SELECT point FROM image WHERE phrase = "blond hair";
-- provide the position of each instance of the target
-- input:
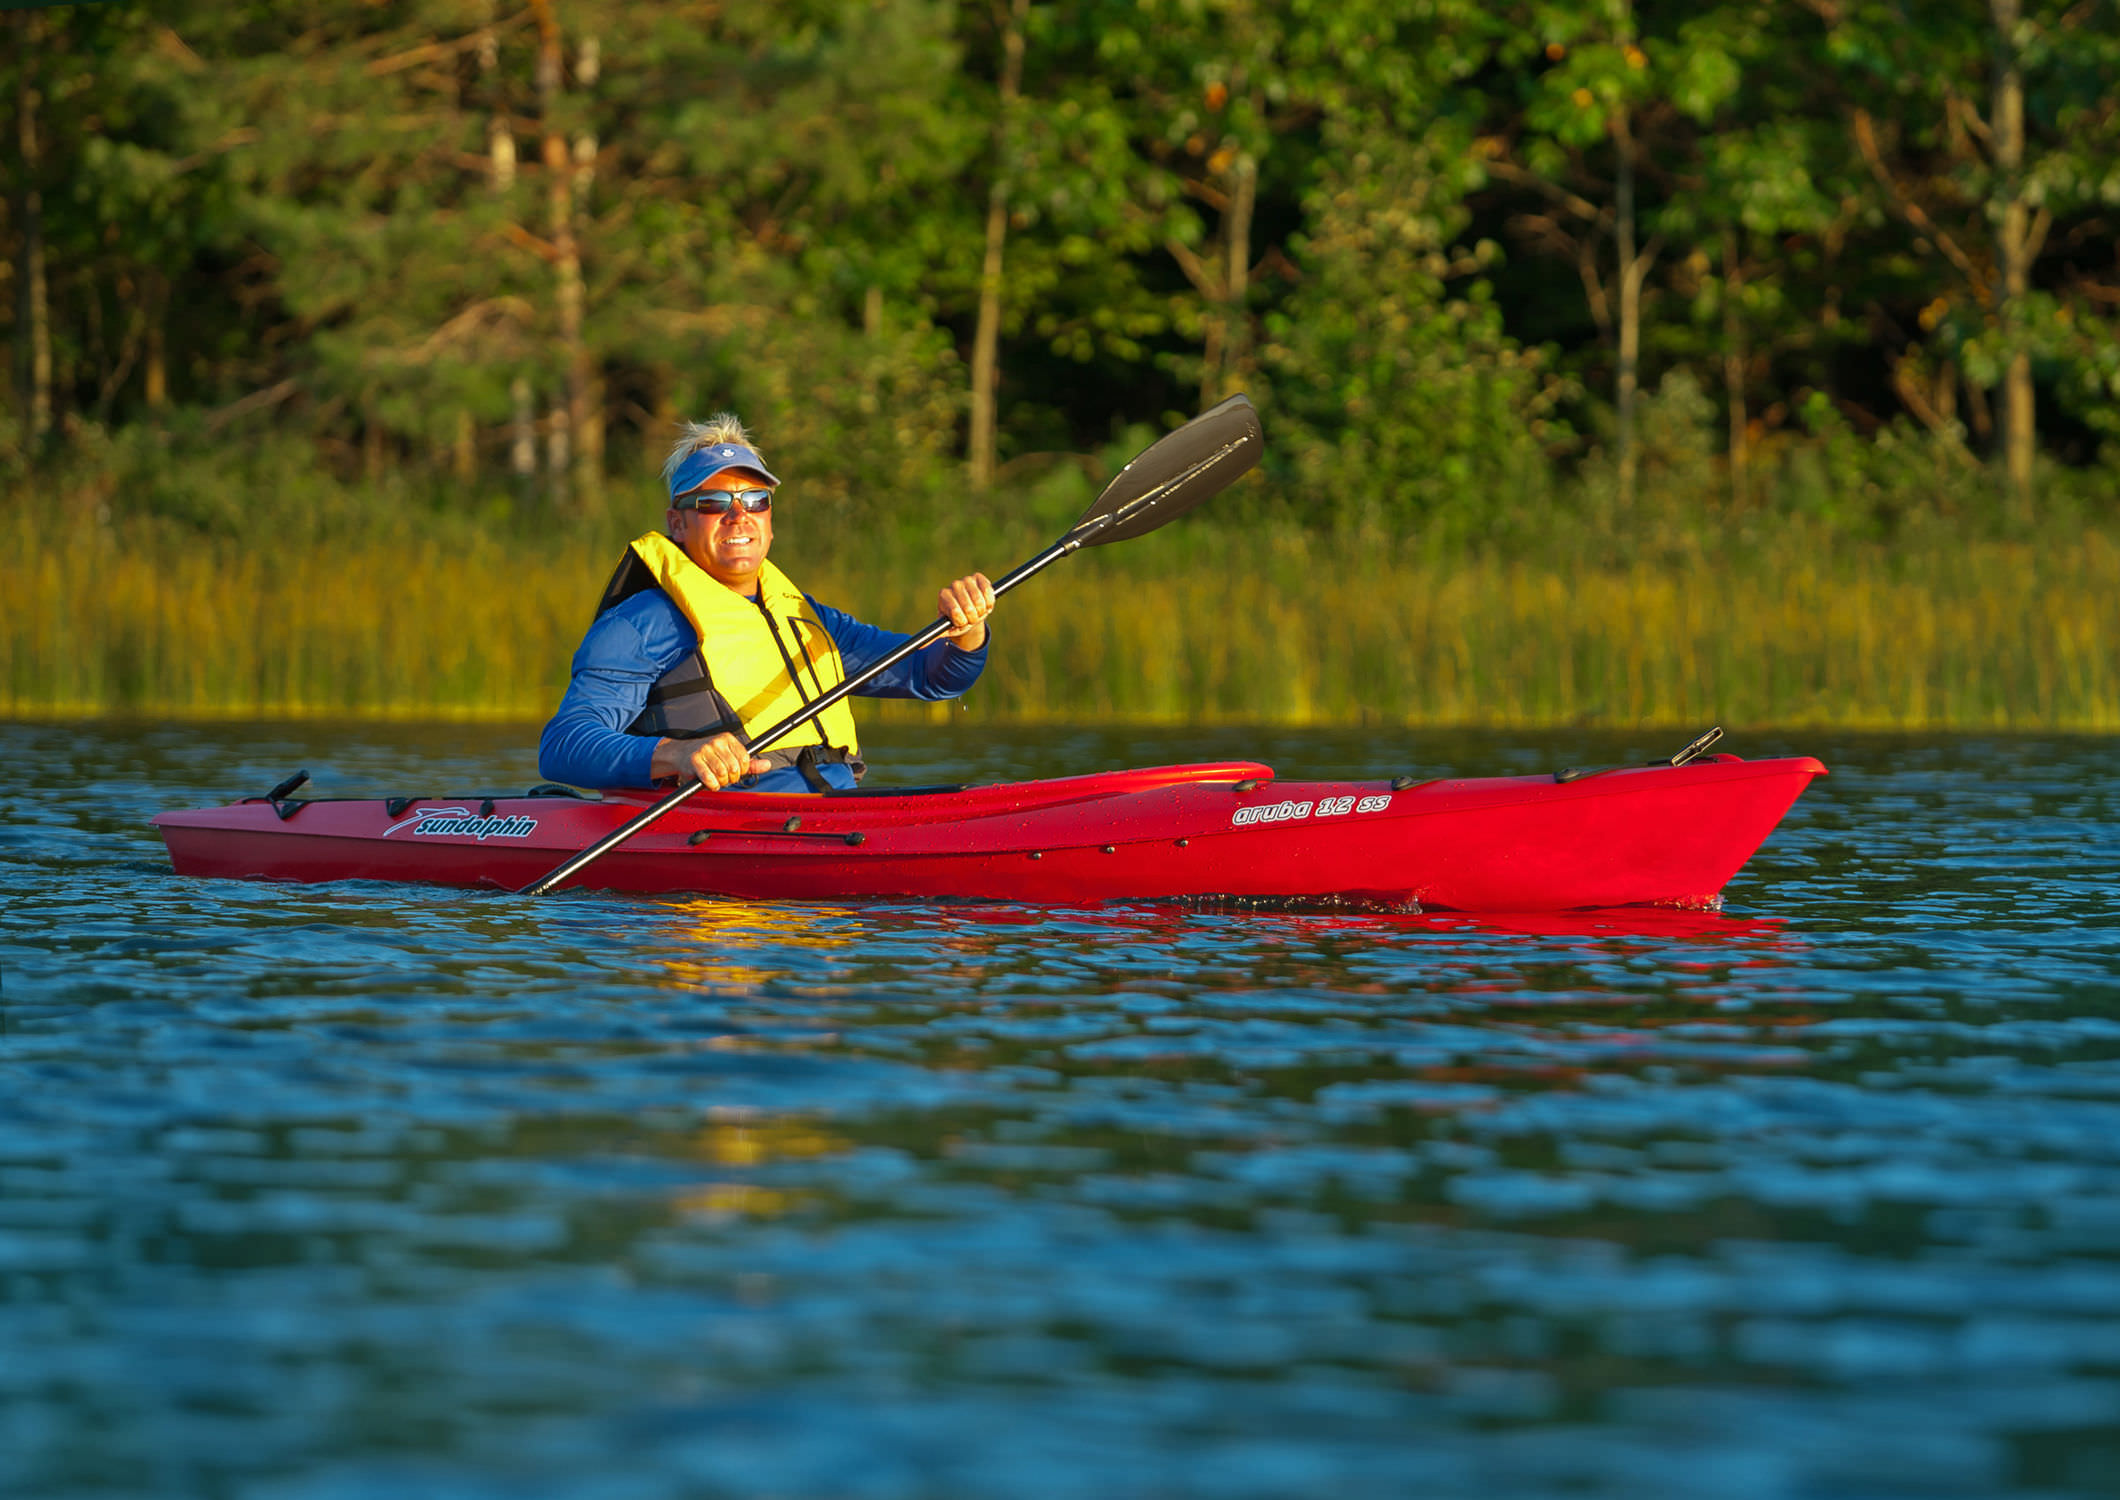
(722, 427)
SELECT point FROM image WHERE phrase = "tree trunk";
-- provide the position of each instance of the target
(585, 386)
(522, 446)
(372, 455)
(118, 368)
(1211, 356)
(155, 378)
(986, 342)
(559, 453)
(1236, 260)
(33, 332)
(500, 176)
(1734, 369)
(986, 337)
(568, 415)
(500, 139)
(2014, 236)
(1945, 402)
(1630, 307)
(464, 451)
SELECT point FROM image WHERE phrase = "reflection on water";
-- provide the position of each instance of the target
(705, 943)
(334, 1191)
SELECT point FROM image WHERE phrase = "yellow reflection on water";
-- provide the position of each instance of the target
(754, 1142)
(709, 943)
(745, 1140)
(721, 944)
(734, 1200)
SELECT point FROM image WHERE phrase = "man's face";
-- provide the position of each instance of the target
(731, 546)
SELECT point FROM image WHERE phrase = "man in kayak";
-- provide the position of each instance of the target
(699, 645)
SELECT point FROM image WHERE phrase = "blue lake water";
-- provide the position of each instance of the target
(340, 1191)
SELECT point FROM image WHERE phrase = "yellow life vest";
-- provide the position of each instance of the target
(760, 659)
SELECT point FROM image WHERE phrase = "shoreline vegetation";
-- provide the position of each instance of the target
(1620, 365)
(331, 600)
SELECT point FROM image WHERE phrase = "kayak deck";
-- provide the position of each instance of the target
(1658, 834)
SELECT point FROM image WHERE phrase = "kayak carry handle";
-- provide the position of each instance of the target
(1694, 748)
(278, 797)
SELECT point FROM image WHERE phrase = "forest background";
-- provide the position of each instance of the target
(1621, 362)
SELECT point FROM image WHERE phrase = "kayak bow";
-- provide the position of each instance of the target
(1663, 834)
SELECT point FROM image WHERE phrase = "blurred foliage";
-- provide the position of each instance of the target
(405, 230)
(1399, 397)
(420, 276)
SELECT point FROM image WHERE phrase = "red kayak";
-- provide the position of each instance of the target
(1663, 834)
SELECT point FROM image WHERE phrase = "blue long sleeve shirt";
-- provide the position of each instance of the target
(635, 642)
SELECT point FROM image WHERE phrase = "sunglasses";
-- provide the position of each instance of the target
(718, 502)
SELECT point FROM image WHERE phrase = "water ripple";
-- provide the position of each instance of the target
(338, 1191)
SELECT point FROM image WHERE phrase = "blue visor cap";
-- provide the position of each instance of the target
(702, 464)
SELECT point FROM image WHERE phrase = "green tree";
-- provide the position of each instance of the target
(1399, 394)
(1991, 134)
(1213, 102)
(1611, 104)
(1086, 218)
(1753, 208)
(519, 225)
(115, 188)
(986, 338)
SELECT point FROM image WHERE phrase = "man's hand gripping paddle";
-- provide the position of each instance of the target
(1168, 479)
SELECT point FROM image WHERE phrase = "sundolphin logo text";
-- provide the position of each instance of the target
(462, 822)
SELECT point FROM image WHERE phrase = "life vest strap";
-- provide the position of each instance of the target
(691, 687)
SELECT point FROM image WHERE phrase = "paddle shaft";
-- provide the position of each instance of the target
(796, 720)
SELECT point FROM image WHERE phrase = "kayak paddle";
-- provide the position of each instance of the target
(1167, 479)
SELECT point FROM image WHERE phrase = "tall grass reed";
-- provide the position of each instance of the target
(1202, 623)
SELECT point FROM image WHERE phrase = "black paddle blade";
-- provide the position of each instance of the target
(1174, 474)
